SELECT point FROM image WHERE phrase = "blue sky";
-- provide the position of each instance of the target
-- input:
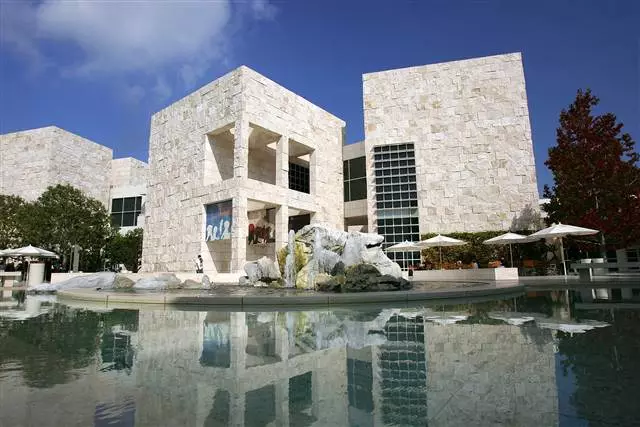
(100, 69)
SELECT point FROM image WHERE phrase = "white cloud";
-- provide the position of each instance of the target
(175, 38)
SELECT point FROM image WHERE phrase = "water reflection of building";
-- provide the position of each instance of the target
(390, 367)
(234, 369)
(274, 369)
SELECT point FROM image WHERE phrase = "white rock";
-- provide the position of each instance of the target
(160, 282)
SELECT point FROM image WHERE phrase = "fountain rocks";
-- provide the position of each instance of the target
(327, 259)
(261, 272)
(111, 281)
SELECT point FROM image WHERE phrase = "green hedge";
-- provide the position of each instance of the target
(483, 254)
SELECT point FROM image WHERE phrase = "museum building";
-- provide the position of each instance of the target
(241, 161)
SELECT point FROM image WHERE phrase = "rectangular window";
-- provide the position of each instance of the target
(125, 211)
(396, 196)
(355, 181)
(299, 178)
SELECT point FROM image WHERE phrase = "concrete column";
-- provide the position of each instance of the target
(76, 258)
(313, 172)
(282, 226)
(282, 162)
(241, 133)
(239, 232)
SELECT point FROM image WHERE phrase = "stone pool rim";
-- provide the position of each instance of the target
(480, 289)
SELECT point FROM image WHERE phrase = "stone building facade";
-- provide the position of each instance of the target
(32, 160)
(241, 148)
(467, 123)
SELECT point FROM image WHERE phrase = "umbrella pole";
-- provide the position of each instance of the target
(440, 250)
(564, 267)
(511, 254)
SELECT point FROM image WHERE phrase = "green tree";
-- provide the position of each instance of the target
(125, 249)
(12, 213)
(63, 217)
(596, 174)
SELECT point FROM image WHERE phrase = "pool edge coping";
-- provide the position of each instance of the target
(92, 295)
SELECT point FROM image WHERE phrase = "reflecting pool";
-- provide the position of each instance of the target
(545, 358)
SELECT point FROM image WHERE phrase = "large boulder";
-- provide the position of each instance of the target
(363, 278)
(122, 282)
(330, 238)
(103, 280)
(269, 270)
(264, 270)
(160, 282)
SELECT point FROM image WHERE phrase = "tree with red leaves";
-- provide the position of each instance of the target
(596, 174)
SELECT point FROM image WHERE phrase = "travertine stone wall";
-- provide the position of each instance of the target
(180, 153)
(32, 160)
(490, 375)
(128, 172)
(469, 121)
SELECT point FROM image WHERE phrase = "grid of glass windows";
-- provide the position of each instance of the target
(355, 179)
(125, 211)
(403, 372)
(298, 178)
(397, 199)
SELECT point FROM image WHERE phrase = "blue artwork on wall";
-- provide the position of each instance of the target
(218, 221)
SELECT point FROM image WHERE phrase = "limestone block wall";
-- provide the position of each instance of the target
(179, 148)
(469, 122)
(128, 172)
(279, 110)
(490, 374)
(174, 214)
(34, 159)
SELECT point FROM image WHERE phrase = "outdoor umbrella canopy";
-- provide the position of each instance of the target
(561, 230)
(403, 247)
(30, 251)
(438, 242)
(507, 239)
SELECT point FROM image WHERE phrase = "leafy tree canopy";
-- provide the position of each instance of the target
(125, 249)
(12, 209)
(60, 218)
(596, 175)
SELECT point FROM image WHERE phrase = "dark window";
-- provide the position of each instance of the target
(355, 182)
(125, 211)
(299, 178)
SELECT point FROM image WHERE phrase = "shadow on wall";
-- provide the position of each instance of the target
(528, 219)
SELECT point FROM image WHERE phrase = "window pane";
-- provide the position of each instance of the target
(345, 169)
(357, 167)
(116, 205)
(129, 204)
(359, 189)
(128, 219)
(346, 191)
(116, 219)
(138, 203)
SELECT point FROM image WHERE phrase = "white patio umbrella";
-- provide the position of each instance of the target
(31, 251)
(438, 242)
(403, 247)
(507, 239)
(561, 230)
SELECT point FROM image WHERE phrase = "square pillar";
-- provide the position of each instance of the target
(313, 172)
(282, 162)
(282, 226)
(241, 133)
(239, 232)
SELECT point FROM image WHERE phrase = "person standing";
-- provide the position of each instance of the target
(199, 264)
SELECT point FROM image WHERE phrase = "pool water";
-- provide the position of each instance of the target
(545, 358)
